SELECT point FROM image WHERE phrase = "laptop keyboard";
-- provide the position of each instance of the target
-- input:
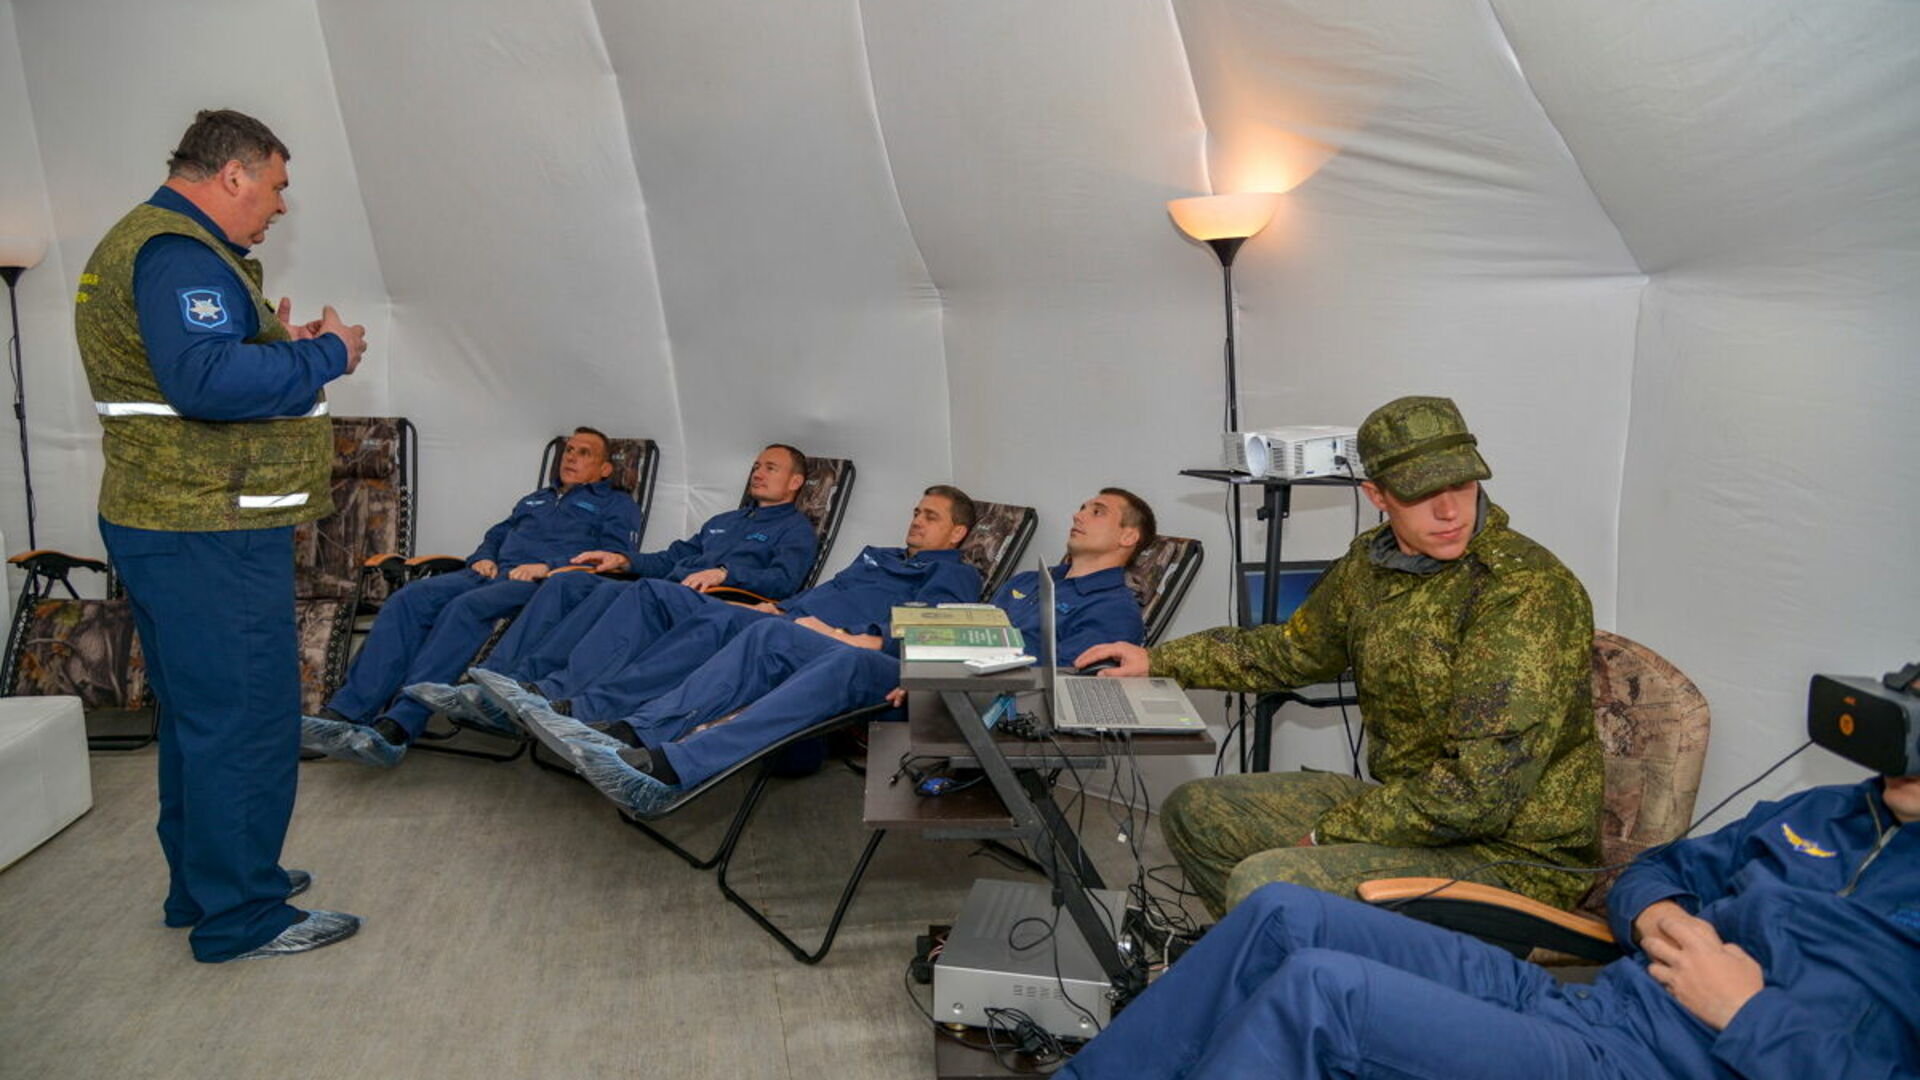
(1099, 703)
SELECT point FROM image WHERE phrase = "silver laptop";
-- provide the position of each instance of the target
(1095, 703)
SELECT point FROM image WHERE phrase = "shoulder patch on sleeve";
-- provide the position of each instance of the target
(203, 308)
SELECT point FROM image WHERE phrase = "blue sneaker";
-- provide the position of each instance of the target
(318, 930)
(636, 792)
(348, 742)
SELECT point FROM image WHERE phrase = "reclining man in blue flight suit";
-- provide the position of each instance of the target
(1785, 945)
(654, 634)
(432, 627)
(775, 679)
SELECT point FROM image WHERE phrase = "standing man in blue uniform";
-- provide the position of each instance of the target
(217, 444)
(1784, 945)
(431, 628)
(650, 639)
(775, 679)
(765, 548)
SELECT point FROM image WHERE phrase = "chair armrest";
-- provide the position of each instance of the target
(1504, 918)
(736, 595)
(55, 563)
(429, 565)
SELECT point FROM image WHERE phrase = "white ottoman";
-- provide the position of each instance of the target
(44, 781)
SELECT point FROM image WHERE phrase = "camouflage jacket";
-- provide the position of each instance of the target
(1475, 687)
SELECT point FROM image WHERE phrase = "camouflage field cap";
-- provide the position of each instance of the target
(1414, 446)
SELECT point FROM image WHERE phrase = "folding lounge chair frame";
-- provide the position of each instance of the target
(636, 467)
(1161, 578)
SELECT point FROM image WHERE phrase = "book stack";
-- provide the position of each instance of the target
(955, 632)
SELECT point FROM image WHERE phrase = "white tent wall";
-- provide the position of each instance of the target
(512, 231)
(799, 308)
(1663, 255)
(1762, 161)
(1034, 147)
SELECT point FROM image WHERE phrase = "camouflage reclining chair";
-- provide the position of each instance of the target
(373, 498)
(636, 466)
(1653, 724)
(82, 646)
(1160, 578)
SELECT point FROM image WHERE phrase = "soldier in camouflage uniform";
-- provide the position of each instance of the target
(1469, 646)
(217, 444)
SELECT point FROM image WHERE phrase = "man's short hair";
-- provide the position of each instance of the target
(799, 459)
(218, 136)
(964, 512)
(606, 444)
(1137, 515)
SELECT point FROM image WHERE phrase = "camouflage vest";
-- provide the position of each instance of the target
(164, 471)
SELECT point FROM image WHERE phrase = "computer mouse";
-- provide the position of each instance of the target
(1097, 666)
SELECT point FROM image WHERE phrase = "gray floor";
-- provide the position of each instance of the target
(514, 929)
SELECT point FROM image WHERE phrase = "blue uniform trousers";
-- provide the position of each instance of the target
(557, 618)
(780, 677)
(1299, 983)
(214, 611)
(427, 632)
(628, 629)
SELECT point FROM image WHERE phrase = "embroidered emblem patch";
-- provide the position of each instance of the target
(1804, 847)
(762, 537)
(203, 309)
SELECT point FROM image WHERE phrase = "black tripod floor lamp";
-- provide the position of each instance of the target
(17, 256)
(1223, 223)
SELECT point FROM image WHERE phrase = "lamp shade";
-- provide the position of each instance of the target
(1224, 217)
(21, 251)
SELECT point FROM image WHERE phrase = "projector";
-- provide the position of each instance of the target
(1294, 453)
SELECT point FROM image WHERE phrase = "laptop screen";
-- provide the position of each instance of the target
(1297, 579)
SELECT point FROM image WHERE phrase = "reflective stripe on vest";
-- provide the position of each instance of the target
(148, 408)
(272, 502)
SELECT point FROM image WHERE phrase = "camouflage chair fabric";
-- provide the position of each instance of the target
(1160, 577)
(824, 500)
(86, 648)
(373, 504)
(1653, 724)
(993, 546)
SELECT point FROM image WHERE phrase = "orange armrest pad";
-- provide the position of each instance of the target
(1390, 890)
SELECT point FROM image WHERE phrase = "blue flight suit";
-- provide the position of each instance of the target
(652, 638)
(214, 611)
(782, 678)
(766, 550)
(1822, 889)
(430, 629)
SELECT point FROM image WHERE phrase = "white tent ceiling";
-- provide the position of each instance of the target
(1663, 255)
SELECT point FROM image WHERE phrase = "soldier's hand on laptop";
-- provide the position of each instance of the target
(1132, 659)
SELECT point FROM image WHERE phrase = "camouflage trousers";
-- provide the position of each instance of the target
(1233, 834)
